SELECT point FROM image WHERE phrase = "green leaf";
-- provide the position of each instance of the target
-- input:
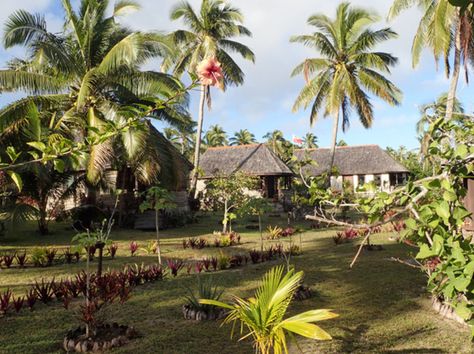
(17, 179)
(308, 330)
(59, 165)
(461, 283)
(462, 151)
(442, 209)
(38, 145)
(463, 311)
(411, 224)
(425, 252)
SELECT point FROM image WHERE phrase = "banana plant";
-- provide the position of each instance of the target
(262, 317)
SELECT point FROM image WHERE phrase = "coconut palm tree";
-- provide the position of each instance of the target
(242, 137)
(310, 141)
(210, 34)
(348, 70)
(91, 73)
(182, 137)
(262, 316)
(442, 28)
(216, 136)
(274, 140)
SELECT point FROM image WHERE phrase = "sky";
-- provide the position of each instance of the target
(264, 102)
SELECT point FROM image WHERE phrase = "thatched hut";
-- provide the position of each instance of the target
(255, 160)
(174, 171)
(356, 165)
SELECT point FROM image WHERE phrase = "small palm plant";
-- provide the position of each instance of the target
(263, 315)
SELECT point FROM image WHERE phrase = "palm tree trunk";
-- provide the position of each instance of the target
(198, 141)
(335, 128)
(456, 70)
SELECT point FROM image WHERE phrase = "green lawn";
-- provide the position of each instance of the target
(383, 305)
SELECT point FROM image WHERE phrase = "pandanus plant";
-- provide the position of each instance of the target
(262, 317)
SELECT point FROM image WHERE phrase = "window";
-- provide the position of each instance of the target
(361, 180)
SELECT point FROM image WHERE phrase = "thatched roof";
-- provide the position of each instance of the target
(255, 160)
(351, 160)
(174, 167)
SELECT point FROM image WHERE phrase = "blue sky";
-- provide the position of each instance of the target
(264, 102)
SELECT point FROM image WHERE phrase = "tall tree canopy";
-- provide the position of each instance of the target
(348, 69)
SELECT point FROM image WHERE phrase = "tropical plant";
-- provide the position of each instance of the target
(216, 136)
(206, 289)
(348, 70)
(274, 140)
(210, 34)
(157, 198)
(89, 77)
(242, 137)
(257, 206)
(230, 194)
(442, 28)
(263, 315)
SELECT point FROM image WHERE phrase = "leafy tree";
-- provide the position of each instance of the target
(157, 198)
(210, 34)
(90, 75)
(442, 28)
(348, 70)
(257, 206)
(230, 194)
(262, 316)
(242, 137)
(216, 136)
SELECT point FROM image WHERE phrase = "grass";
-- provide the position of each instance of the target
(383, 305)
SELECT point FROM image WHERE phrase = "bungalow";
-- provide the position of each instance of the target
(356, 165)
(255, 160)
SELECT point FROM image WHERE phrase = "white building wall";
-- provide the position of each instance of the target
(385, 179)
(369, 178)
(336, 182)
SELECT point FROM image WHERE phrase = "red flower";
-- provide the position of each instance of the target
(210, 72)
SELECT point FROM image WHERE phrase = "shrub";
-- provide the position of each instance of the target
(274, 232)
(50, 255)
(31, 298)
(8, 259)
(5, 299)
(44, 290)
(113, 250)
(175, 266)
(18, 303)
(223, 261)
(206, 262)
(38, 257)
(21, 259)
(198, 266)
(133, 248)
(205, 290)
(68, 256)
(289, 231)
(255, 256)
(151, 247)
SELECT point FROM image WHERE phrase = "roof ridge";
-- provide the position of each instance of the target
(338, 147)
(233, 146)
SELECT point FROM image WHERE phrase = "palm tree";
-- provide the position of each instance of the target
(91, 74)
(274, 140)
(216, 136)
(263, 315)
(442, 28)
(181, 137)
(341, 143)
(310, 141)
(242, 137)
(210, 35)
(348, 69)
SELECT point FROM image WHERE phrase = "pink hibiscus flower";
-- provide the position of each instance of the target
(210, 72)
